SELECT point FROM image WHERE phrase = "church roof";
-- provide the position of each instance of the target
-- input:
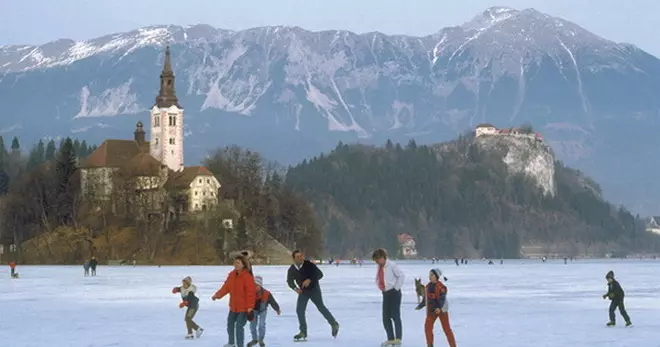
(144, 164)
(115, 153)
(184, 178)
(167, 94)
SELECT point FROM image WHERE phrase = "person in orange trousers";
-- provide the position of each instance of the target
(437, 306)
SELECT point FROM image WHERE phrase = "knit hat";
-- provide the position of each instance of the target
(438, 273)
(188, 280)
(258, 280)
(610, 274)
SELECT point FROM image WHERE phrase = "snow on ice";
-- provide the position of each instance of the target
(519, 303)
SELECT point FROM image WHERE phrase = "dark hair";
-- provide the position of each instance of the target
(379, 253)
(245, 261)
(293, 254)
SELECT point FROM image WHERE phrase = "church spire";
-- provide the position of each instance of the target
(167, 96)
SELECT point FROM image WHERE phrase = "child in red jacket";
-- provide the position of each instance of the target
(437, 306)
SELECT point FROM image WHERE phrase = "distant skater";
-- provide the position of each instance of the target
(437, 306)
(615, 294)
(303, 277)
(86, 267)
(242, 295)
(12, 269)
(258, 323)
(390, 279)
(190, 301)
(92, 264)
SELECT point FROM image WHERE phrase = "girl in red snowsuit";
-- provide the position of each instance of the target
(436, 304)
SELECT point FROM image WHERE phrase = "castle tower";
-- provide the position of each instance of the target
(166, 135)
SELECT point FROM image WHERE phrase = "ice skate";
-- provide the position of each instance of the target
(610, 324)
(335, 329)
(199, 332)
(229, 345)
(388, 343)
(299, 337)
(261, 343)
(252, 343)
(628, 324)
(189, 337)
(397, 343)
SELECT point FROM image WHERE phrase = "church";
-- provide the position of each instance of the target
(154, 168)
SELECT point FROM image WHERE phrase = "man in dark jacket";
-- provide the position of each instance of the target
(92, 264)
(615, 294)
(303, 277)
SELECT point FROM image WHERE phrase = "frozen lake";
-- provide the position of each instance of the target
(515, 304)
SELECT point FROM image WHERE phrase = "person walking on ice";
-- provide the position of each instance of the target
(242, 295)
(93, 263)
(390, 279)
(303, 277)
(437, 306)
(264, 298)
(615, 294)
(191, 301)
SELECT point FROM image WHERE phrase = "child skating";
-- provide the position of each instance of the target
(615, 294)
(191, 301)
(264, 298)
(437, 306)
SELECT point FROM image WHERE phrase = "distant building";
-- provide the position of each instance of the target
(653, 225)
(151, 169)
(407, 244)
(489, 129)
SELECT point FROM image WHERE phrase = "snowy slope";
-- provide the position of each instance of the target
(292, 93)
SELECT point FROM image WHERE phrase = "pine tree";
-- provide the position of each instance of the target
(50, 151)
(241, 233)
(4, 182)
(65, 168)
(3, 152)
(15, 146)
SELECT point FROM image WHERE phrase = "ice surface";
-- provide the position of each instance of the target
(520, 303)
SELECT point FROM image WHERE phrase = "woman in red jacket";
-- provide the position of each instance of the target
(242, 295)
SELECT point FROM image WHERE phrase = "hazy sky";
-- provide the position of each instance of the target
(39, 21)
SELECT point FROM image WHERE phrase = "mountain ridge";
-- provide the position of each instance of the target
(293, 93)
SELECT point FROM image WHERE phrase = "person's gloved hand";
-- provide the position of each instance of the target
(183, 304)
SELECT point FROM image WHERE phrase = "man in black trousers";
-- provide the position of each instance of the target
(303, 277)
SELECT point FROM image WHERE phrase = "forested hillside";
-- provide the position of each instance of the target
(456, 199)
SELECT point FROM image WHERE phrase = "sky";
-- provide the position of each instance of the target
(40, 21)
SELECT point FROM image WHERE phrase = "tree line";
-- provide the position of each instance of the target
(456, 199)
(43, 208)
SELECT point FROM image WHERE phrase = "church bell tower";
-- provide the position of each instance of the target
(166, 131)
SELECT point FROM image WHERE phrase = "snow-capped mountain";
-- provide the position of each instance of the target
(291, 93)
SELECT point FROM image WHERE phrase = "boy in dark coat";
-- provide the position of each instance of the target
(303, 277)
(615, 294)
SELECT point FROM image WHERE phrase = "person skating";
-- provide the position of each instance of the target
(264, 298)
(92, 264)
(303, 277)
(437, 306)
(86, 267)
(190, 301)
(242, 295)
(615, 294)
(390, 279)
(12, 268)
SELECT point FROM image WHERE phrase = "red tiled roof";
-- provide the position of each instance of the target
(114, 153)
(183, 178)
(404, 238)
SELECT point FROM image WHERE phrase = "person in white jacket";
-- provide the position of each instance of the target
(389, 279)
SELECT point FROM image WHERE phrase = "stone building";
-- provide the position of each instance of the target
(151, 170)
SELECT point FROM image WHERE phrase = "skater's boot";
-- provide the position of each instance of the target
(252, 343)
(301, 336)
(335, 329)
(199, 332)
(431, 345)
(261, 343)
(397, 343)
(229, 345)
(190, 336)
(628, 323)
(611, 324)
(388, 343)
